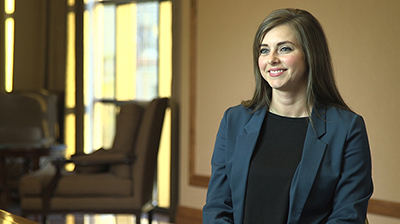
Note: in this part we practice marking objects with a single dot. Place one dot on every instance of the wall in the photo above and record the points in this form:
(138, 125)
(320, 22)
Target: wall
(40, 43)
(29, 60)
(363, 37)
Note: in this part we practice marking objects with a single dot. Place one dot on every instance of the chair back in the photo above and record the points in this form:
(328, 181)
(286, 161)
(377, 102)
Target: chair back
(129, 120)
(49, 107)
(128, 125)
(21, 120)
(146, 150)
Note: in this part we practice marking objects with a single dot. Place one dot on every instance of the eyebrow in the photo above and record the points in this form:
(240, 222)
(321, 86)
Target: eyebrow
(279, 43)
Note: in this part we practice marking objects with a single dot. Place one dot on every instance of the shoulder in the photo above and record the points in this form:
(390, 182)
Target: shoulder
(337, 114)
(238, 110)
(239, 116)
(336, 117)
(239, 113)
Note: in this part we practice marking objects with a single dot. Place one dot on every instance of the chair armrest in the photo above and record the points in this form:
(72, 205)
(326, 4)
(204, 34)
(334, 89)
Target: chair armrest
(102, 159)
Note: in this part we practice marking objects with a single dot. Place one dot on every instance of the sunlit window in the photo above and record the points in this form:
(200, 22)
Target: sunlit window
(127, 56)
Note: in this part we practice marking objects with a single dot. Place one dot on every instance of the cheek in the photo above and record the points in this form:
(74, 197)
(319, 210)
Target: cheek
(296, 62)
(291, 61)
(262, 63)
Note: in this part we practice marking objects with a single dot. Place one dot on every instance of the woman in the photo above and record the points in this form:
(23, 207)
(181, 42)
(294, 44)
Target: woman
(295, 153)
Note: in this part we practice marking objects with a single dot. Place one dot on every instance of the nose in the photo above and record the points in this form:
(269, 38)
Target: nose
(273, 59)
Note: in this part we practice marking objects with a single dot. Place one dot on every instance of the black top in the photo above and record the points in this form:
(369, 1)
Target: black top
(273, 164)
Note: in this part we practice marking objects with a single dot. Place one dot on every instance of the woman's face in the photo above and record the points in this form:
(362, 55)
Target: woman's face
(282, 61)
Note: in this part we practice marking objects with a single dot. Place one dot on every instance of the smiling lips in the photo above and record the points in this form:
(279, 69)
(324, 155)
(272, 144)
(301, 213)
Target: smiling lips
(274, 72)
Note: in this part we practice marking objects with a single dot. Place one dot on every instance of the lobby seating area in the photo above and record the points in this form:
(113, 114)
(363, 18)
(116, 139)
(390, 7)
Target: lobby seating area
(119, 180)
(113, 184)
(29, 136)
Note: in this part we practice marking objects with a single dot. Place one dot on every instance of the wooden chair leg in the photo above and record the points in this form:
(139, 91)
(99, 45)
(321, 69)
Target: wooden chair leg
(150, 216)
(44, 219)
(137, 214)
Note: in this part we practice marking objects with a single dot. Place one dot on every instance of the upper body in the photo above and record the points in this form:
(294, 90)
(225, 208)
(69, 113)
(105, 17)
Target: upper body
(332, 183)
(294, 78)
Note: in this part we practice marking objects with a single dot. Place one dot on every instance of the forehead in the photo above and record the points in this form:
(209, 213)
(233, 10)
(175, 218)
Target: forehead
(282, 33)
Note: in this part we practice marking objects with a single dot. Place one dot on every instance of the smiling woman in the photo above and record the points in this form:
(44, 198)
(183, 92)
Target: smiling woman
(296, 137)
(358, 51)
(282, 65)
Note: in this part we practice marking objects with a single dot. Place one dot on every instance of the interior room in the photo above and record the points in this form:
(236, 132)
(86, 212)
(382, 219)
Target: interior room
(95, 56)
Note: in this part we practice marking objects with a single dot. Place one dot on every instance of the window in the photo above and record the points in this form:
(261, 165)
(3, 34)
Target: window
(127, 56)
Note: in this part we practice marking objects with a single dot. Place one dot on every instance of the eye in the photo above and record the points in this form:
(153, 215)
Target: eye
(264, 51)
(285, 49)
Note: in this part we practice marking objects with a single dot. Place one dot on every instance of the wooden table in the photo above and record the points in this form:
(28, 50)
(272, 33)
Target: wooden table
(8, 218)
(31, 157)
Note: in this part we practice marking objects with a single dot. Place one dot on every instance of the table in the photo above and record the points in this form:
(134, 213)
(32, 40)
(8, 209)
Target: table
(31, 157)
(8, 218)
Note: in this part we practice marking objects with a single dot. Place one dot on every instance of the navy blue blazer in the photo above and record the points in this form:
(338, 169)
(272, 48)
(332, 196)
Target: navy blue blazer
(332, 183)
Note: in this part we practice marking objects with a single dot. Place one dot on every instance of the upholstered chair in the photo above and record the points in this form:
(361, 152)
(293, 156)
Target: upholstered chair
(117, 180)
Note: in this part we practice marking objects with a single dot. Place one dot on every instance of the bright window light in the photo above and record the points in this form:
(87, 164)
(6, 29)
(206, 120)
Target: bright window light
(9, 54)
(9, 6)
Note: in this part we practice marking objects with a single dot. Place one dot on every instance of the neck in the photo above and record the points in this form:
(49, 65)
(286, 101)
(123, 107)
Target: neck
(289, 105)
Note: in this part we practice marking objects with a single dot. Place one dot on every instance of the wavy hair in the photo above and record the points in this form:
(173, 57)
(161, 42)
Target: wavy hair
(321, 86)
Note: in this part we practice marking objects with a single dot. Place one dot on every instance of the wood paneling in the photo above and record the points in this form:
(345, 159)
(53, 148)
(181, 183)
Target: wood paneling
(385, 208)
(194, 179)
(185, 215)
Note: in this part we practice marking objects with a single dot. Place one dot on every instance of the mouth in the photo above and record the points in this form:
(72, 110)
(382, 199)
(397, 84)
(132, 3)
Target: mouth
(276, 72)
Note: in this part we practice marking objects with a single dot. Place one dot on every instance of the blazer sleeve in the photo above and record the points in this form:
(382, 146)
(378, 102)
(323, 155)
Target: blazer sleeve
(218, 207)
(355, 186)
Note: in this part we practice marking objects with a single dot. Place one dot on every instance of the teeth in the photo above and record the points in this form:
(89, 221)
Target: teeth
(277, 71)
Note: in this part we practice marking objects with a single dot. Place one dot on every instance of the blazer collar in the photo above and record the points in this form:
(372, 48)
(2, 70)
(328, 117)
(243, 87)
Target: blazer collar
(318, 116)
(318, 121)
(255, 123)
(245, 144)
(313, 153)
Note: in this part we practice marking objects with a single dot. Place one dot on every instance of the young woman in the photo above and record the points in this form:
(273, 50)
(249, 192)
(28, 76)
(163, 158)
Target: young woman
(295, 153)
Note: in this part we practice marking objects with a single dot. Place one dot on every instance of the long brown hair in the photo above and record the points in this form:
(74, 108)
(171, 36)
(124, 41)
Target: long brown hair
(321, 87)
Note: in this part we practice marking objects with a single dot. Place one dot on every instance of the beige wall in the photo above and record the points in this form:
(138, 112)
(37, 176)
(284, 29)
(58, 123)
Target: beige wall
(29, 44)
(365, 45)
(39, 48)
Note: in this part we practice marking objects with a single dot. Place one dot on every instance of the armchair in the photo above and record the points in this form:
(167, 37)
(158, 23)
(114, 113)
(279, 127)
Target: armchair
(119, 180)
(28, 132)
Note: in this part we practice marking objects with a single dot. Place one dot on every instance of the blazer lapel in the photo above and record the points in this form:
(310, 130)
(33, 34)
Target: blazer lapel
(313, 152)
(245, 145)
